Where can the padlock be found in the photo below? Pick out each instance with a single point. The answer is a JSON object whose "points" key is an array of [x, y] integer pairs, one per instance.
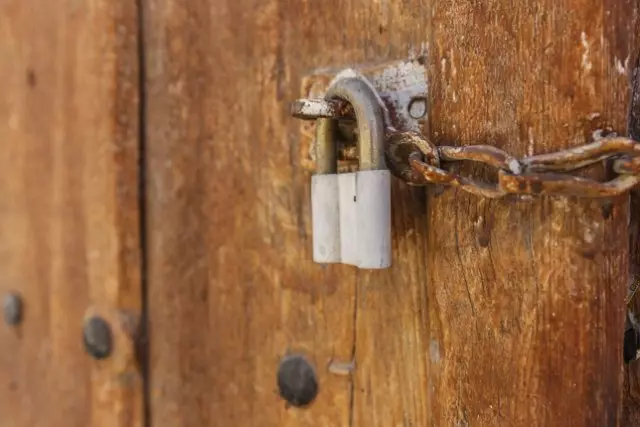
{"points": [[364, 196], [349, 247], [325, 213]]}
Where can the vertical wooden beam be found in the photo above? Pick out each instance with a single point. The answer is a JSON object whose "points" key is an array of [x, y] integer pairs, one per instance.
{"points": [[631, 408], [231, 284], [69, 217], [495, 313], [527, 298]]}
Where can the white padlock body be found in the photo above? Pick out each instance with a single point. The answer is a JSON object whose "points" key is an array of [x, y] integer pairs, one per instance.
{"points": [[325, 218], [373, 212], [349, 248]]}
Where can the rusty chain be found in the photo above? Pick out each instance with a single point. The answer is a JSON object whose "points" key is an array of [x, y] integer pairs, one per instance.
{"points": [[417, 161], [414, 159]]}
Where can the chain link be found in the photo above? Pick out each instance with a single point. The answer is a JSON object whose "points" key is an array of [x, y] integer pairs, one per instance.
{"points": [[415, 160]]}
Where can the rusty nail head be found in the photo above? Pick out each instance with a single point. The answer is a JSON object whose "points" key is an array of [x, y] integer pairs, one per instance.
{"points": [[97, 338], [297, 381], [418, 107], [12, 307]]}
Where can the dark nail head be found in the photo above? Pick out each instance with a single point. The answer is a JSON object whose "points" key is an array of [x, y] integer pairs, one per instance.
{"points": [[97, 338], [297, 381], [12, 308]]}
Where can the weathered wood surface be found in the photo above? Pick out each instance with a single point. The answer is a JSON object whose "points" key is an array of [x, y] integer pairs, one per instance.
{"points": [[537, 341], [631, 404], [69, 210], [495, 312], [631, 414]]}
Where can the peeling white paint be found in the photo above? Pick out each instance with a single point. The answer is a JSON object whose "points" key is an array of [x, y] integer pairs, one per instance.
{"points": [[314, 107], [398, 84], [586, 62]]}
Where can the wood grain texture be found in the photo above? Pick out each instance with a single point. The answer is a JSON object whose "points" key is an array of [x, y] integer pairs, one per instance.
{"points": [[631, 404], [495, 313], [231, 285], [69, 210], [527, 298]]}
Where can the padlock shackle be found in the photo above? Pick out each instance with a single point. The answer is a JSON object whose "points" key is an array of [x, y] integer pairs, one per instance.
{"points": [[326, 146], [369, 116]]}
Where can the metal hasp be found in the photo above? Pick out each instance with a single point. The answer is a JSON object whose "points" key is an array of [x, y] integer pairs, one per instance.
{"points": [[351, 212]]}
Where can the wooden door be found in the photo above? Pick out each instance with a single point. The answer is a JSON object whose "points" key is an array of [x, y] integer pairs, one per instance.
{"points": [[494, 313], [69, 211], [152, 176]]}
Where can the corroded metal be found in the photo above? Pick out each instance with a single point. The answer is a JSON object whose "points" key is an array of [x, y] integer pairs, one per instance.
{"points": [[402, 86], [486, 154], [628, 166], [326, 148], [411, 157], [312, 109], [435, 175], [368, 109], [565, 185], [584, 155], [403, 146], [535, 175]]}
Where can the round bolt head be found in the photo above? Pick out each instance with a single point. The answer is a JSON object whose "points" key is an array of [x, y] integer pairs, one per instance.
{"points": [[418, 107], [12, 308], [97, 338], [297, 381]]}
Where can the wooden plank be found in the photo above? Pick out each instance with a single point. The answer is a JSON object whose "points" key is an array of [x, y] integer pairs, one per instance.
{"points": [[527, 299], [69, 217], [231, 290], [231, 285], [631, 404], [495, 313]]}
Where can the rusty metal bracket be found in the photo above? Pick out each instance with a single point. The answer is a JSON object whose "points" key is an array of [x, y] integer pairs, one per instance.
{"points": [[402, 86]]}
